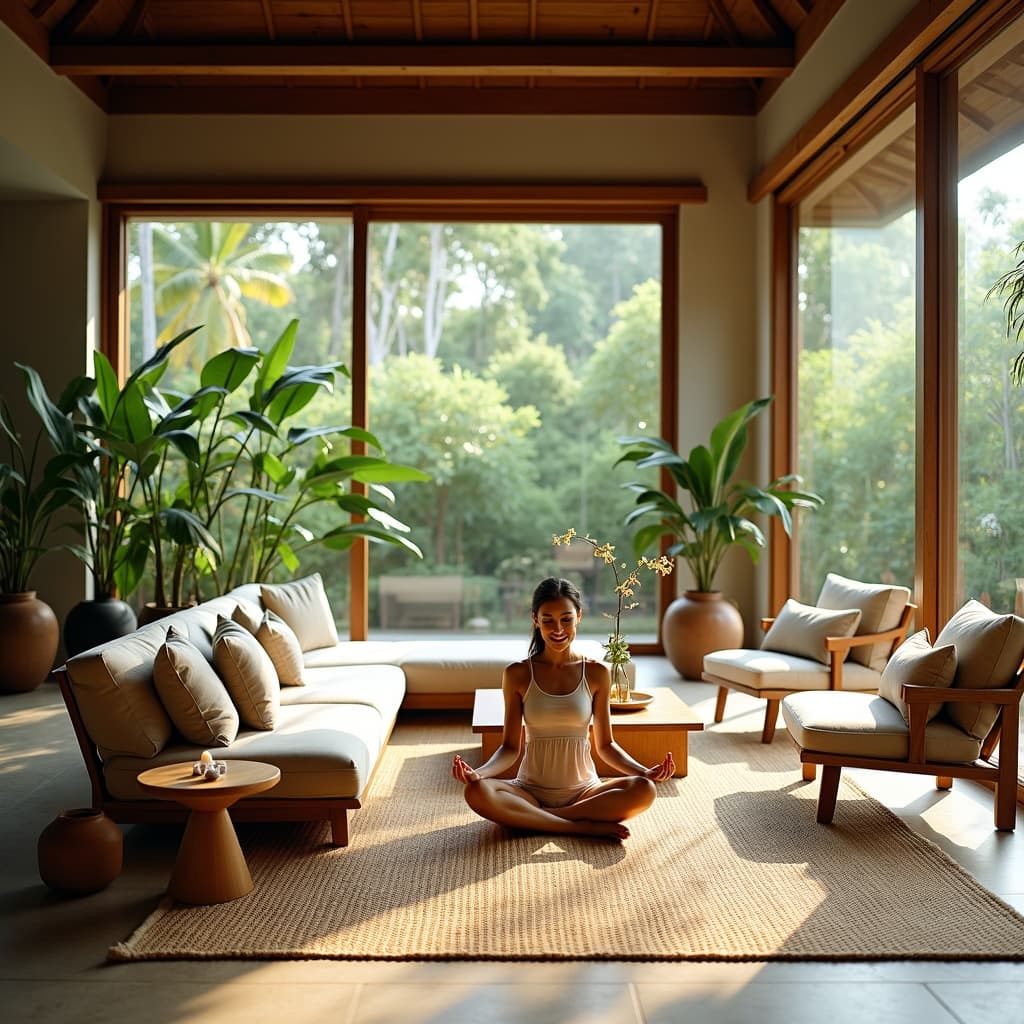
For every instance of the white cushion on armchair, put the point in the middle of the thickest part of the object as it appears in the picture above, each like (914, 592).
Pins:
(773, 670)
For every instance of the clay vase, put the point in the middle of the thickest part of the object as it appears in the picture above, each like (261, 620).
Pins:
(151, 612)
(696, 624)
(80, 851)
(91, 623)
(29, 635)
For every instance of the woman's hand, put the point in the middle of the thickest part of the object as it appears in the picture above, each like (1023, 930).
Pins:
(663, 771)
(462, 772)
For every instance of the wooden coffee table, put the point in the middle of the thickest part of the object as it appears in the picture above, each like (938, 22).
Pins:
(210, 867)
(647, 734)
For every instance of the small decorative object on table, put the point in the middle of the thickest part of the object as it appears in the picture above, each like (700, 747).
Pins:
(616, 646)
(207, 767)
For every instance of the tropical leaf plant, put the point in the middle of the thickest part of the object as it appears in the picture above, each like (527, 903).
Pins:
(720, 509)
(1011, 285)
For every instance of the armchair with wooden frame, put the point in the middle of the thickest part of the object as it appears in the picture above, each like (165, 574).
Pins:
(949, 731)
(842, 642)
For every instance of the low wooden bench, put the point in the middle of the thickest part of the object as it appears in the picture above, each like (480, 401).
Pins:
(417, 601)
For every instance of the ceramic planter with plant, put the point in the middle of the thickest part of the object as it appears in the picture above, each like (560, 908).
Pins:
(717, 515)
(33, 490)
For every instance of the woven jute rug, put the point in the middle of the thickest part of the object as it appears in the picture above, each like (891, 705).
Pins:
(729, 864)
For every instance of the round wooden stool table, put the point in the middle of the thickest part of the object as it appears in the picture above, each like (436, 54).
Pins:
(210, 867)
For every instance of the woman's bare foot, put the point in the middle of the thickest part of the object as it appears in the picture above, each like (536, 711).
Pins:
(605, 829)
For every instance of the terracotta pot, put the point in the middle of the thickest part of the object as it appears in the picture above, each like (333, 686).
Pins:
(80, 851)
(29, 635)
(696, 624)
(151, 612)
(91, 623)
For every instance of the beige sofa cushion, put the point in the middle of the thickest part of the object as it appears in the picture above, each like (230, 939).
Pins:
(769, 670)
(278, 639)
(303, 605)
(113, 686)
(248, 673)
(862, 725)
(195, 698)
(881, 607)
(801, 629)
(248, 615)
(989, 649)
(323, 751)
(916, 661)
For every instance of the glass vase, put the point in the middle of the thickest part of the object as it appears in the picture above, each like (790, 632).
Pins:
(620, 684)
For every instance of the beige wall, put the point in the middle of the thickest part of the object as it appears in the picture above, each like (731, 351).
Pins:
(52, 145)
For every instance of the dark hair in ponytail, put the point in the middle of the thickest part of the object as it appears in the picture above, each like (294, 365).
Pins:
(551, 589)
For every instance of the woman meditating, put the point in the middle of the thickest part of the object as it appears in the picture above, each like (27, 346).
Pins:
(557, 692)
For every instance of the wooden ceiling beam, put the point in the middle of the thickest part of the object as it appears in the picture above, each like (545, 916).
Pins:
(774, 21)
(458, 60)
(75, 18)
(494, 100)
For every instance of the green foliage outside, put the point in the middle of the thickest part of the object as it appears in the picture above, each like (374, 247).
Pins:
(505, 360)
(857, 414)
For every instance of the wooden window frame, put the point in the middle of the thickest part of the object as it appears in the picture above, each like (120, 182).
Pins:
(916, 65)
(365, 203)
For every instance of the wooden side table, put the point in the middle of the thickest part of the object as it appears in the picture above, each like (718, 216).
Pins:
(210, 867)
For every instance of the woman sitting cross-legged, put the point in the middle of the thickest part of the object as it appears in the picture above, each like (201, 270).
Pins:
(557, 692)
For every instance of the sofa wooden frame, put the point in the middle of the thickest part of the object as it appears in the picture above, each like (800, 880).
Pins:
(836, 646)
(1003, 735)
(165, 812)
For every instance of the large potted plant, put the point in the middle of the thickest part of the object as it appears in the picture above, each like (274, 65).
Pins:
(252, 476)
(33, 490)
(718, 517)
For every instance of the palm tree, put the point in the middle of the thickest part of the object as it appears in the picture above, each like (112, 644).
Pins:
(202, 273)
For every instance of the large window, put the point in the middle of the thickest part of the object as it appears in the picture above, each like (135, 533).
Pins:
(856, 365)
(990, 202)
(502, 358)
(505, 360)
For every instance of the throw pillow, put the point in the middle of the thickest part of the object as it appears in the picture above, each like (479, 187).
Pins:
(278, 639)
(801, 629)
(194, 697)
(916, 661)
(248, 674)
(880, 604)
(247, 615)
(303, 605)
(989, 649)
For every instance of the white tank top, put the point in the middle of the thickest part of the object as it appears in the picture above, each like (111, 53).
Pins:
(558, 756)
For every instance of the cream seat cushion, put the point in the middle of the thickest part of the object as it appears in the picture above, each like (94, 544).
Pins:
(881, 607)
(771, 670)
(193, 694)
(801, 629)
(322, 750)
(862, 725)
(378, 686)
(248, 673)
(989, 649)
(304, 606)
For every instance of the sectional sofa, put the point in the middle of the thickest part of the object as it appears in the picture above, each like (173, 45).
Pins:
(260, 674)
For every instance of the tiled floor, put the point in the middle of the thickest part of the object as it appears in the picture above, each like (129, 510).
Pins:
(52, 967)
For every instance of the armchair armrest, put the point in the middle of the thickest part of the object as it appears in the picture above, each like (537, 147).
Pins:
(918, 698)
(914, 694)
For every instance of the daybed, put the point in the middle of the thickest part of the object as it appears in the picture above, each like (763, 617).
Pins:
(132, 709)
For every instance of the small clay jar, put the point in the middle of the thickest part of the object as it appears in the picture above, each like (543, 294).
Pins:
(80, 851)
